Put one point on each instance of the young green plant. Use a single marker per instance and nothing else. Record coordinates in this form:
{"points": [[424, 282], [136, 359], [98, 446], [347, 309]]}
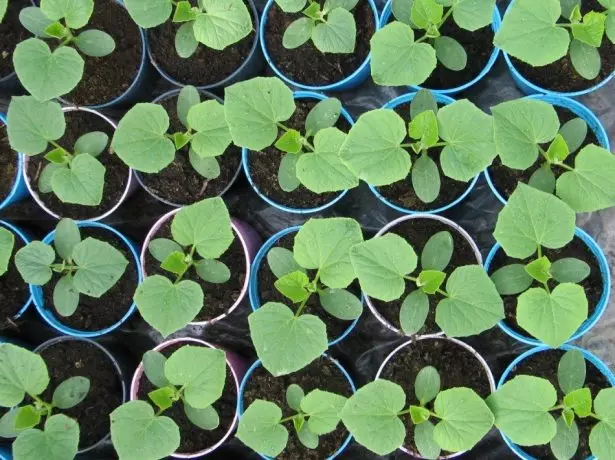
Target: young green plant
{"points": [[7, 244], [399, 57], [217, 24], [262, 429], [201, 233], [74, 176], [375, 149], [332, 27], [255, 110], [48, 74], [24, 374], [561, 30], [527, 411], [469, 304], [286, 340], [90, 267], [142, 140], [523, 127], [551, 305], [456, 421], [193, 376]]}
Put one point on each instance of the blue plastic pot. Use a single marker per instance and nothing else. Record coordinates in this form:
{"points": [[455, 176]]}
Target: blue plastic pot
{"points": [[257, 364], [530, 88], [580, 110], [495, 25], [25, 239], [603, 368], [298, 95], [602, 303], [441, 99], [48, 312], [350, 82], [19, 190], [261, 257]]}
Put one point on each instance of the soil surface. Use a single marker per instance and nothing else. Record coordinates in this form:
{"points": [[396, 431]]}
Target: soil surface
{"points": [[8, 165], [14, 292], [11, 33]]}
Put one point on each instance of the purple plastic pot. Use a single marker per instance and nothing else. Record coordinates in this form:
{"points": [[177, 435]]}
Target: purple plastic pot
{"points": [[461, 344], [250, 241], [130, 187], [237, 365], [390, 228]]}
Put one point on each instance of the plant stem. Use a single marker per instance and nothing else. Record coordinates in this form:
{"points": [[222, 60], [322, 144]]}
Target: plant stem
{"points": [[181, 275], [57, 146], [445, 17], [305, 301], [558, 407], [415, 280]]}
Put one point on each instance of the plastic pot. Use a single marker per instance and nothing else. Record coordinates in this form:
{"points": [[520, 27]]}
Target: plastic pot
{"points": [[257, 364], [461, 344], [250, 241], [391, 227], [25, 239], [48, 312], [120, 375], [237, 365], [165, 96], [495, 25], [404, 99], [245, 153], [603, 368], [348, 83], [602, 303], [10, 85], [251, 67], [527, 87], [19, 190], [580, 111]]}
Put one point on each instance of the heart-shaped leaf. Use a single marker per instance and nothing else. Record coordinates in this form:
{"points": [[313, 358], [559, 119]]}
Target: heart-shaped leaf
{"points": [[59, 440], [81, 183]]}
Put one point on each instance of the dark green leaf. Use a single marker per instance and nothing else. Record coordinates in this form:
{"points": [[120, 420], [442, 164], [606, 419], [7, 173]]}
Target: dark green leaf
{"points": [[323, 115], [287, 173], [438, 251], [212, 271], [425, 178], [585, 59], [570, 270], [414, 311], [425, 442], [161, 248], [206, 419], [566, 441], [153, 366], [294, 395], [427, 384], [341, 304], [511, 279], [543, 179], [574, 133], [71, 392], [282, 262], [451, 53], [422, 102]]}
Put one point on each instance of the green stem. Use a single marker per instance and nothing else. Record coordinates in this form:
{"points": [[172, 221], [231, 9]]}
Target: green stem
{"points": [[415, 280], [565, 166], [445, 17], [57, 146], [281, 126], [558, 407], [305, 301], [422, 39], [288, 419]]}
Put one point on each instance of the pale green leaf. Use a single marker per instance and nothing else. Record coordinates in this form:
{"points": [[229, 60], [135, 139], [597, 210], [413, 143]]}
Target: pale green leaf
{"points": [[223, 23], [21, 372], [610, 26], [287, 172], [402, 9], [307, 438], [425, 178], [543, 179], [601, 436], [571, 371], [187, 98], [153, 366], [95, 43], [570, 270], [260, 428], [65, 296], [149, 13], [425, 442], [298, 33], [323, 115], [186, 43], [338, 34], [76, 13], [81, 183], [585, 59], [31, 124], [206, 419], [427, 385], [294, 395], [7, 242], [71, 392], [93, 143], [450, 53], [212, 135], [33, 19], [212, 271], [425, 13], [413, 312], [282, 262], [473, 14], [423, 101], [566, 441], [100, 267], [323, 409], [59, 440], [291, 6], [33, 262], [161, 248], [346, 4], [207, 167]]}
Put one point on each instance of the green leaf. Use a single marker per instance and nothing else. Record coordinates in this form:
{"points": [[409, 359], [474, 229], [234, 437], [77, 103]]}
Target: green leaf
{"points": [[33, 263], [136, 432], [473, 304], [21, 372], [585, 59], [323, 115], [59, 441], [153, 366], [184, 12], [81, 183], [294, 395], [424, 127], [206, 225], [381, 264], [419, 414], [162, 397], [65, 296], [7, 242], [402, 9], [298, 33], [7, 424], [438, 251], [323, 409], [426, 178], [570, 270], [95, 43], [76, 13], [473, 14], [27, 417], [175, 263], [149, 13], [34, 20], [31, 124], [161, 248], [287, 173], [294, 286], [291, 6], [414, 311], [307, 438], [566, 441], [543, 179], [346, 4], [427, 385], [511, 279], [571, 371], [58, 156], [568, 6], [423, 101], [529, 22], [323, 170], [591, 30], [426, 12], [539, 269], [580, 401], [588, 187], [340, 303], [601, 436], [71, 392], [290, 142], [532, 218], [574, 133], [373, 151], [46, 74], [180, 140], [552, 317], [254, 107], [207, 167], [325, 245], [450, 53], [282, 262], [284, 342], [260, 428], [56, 30], [371, 416], [397, 59], [206, 419], [313, 11], [558, 150], [168, 307], [93, 143], [212, 136], [213, 271], [521, 408], [610, 26], [430, 280], [425, 442], [338, 34], [3, 6], [100, 267], [187, 98]]}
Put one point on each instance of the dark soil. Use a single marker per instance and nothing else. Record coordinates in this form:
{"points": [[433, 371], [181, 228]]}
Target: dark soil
{"points": [[456, 365], [72, 358], [264, 166], [179, 183], [14, 292], [306, 64], [105, 78], [206, 66], [268, 293], [116, 176], [577, 248], [95, 314], [8, 164], [11, 33], [194, 439], [218, 297], [561, 75], [322, 374], [505, 179], [402, 193], [544, 364], [417, 232]]}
